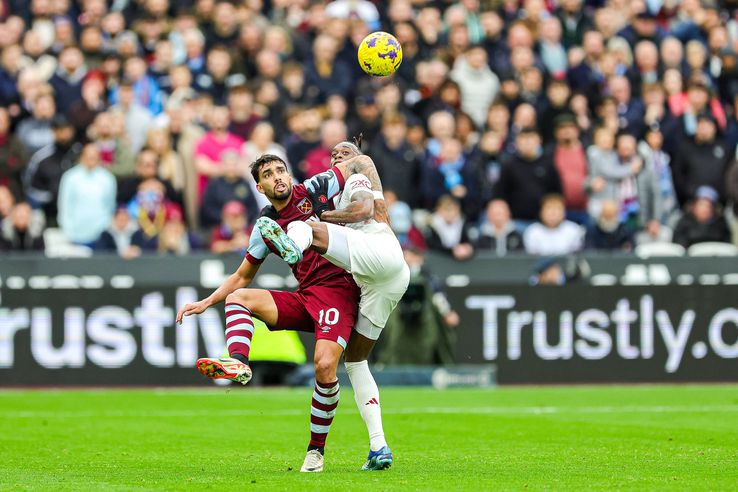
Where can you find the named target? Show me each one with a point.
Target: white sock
(301, 234)
(366, 395)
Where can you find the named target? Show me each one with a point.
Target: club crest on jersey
(305, 206)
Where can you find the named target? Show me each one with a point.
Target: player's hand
(190, 309)
(319, 195)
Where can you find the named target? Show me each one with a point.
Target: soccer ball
(380, 54)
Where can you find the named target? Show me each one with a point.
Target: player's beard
(281, 196)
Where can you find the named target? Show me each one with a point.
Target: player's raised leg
(240, 307)
(324, 403)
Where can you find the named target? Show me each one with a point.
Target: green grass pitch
(556, 438)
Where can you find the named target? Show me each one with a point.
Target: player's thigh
(359, 347)
(375, 257)
(292, 312)
(334, 310)
(259, 301)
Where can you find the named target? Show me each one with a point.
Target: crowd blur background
(537, 126)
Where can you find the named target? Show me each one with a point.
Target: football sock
(366, 395)
(239, 330)
(301, 234)
(322, 411)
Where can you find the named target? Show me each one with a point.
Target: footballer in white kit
(376, 260)
(363, 246)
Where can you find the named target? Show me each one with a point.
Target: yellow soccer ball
(380, 54)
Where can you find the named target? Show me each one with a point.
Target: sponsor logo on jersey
(325, 329)
(305, 206)
(363, 183)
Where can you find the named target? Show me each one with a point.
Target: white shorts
(378, 266)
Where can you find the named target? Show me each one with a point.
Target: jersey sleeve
(335, 182)
(356, 183)
(258, 250)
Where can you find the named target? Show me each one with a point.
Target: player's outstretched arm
(238, 280)
(360, 209)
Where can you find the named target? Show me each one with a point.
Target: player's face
(275, 182)
(341, 153)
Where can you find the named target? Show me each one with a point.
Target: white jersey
(377, 261)
(357, 183)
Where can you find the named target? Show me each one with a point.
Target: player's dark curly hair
(256, 166)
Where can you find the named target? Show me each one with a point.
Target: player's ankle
(319, 449)
(241, 358)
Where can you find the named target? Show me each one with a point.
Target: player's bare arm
(363, 164)
(360, 209)
(240, 279)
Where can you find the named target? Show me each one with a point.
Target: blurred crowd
(538, 126)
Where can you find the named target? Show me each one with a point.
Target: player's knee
(241, 297)
(325, 368)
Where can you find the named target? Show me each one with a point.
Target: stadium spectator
(243, 117)
(68, 77)
(149, 207)
(121, 237)
(86, 199)
(171, 166)
(607, 232)
(448, 230)
(209, 148)
(571, 163)
(22, 230)
(35, 132)
(553, 235)
(13, 157)
(478, 83)
(217, 81)
(396, 162)
(231, 186)
(451, 173)
(629, 109)
(46, 167)
(606, 172)
(498, 233)
(146, 92)
(147, 167)
(665, 210)
(367, 121)
(401, 217)
(138, 119)
(703, 221)
(701, 161)
(233, 232)
(91, 103)
(108, 133)
(324, 74)
(526, 177)
(185, 134)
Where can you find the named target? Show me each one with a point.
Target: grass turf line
(613, 437)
